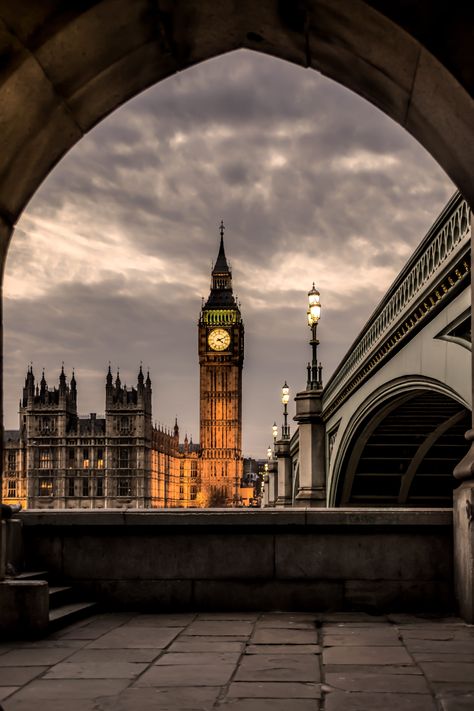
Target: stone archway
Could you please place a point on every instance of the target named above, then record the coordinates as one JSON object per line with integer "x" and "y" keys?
{"x": 65, "y": 67}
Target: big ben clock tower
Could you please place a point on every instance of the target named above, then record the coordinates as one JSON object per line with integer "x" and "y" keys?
{"x": 221, "y": 357}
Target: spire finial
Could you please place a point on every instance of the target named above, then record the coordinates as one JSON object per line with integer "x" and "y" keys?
{"x": 221, "y": 229}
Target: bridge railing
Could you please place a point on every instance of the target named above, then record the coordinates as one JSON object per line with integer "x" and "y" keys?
{"x": 446, "y": 239}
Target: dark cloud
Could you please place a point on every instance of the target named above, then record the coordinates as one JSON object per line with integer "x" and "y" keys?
{"x": 114, "y": 252}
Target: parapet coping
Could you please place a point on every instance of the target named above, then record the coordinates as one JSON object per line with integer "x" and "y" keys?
{"x": 260, "y": 518}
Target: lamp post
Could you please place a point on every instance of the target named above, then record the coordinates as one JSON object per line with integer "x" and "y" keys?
{"x": 285, "y": 398}
{"x": 274, "y": 432}
{"x": 314, "y": 381}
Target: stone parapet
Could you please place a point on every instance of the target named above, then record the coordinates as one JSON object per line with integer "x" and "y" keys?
{"x": 265, "y": 559}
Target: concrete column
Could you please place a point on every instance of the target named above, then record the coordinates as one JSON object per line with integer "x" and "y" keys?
{"x": 272, "y": 482}
{"x": 312, "y": 477}
{"x": 463, "y": 508}
{"x": 282, "y": 451}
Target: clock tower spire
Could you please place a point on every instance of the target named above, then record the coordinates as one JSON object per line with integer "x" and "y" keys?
{"x": 221, "y": 356}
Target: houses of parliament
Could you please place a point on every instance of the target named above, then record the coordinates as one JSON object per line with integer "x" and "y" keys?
{"x": 57, "y": 459}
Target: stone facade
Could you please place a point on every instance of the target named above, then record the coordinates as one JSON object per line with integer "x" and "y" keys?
{"x": 58, "y": 459}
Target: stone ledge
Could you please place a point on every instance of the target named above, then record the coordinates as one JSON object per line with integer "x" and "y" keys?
{"x": 259, "y": 518}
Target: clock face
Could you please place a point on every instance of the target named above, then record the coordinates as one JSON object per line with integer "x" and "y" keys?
{"x": 219, "y": 339}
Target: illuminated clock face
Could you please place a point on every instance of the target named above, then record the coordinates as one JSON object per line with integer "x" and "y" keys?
{"x": 219, "y": 339}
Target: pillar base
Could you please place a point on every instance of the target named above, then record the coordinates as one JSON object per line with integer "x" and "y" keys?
{"x": 24, "y": 608}
{"x": 463, "y": 514}
{"x": 283, "y": 503}
{"x": 465, "y": 469}
{"x": 312, "y": 497}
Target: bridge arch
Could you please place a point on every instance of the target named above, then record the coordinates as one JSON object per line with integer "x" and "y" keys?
{"x": 384, "y": 457}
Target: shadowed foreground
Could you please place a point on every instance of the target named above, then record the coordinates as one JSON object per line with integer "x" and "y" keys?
{"x": 244, "y": 662}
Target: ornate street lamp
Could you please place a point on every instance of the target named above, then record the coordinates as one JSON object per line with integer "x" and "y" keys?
{"x": 285, "y": 398}
{"x": 274, "y": 432}
{"x": 314, "y": 314}
{"x": 269, "y": 452}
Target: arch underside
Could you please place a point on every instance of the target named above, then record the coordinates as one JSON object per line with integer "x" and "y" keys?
{"x": 66, "y": 66}
{"x": 404, "y": 453}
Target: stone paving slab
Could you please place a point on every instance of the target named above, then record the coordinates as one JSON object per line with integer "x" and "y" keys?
{"x": 265, "y": 667}
{"x": 431, "y": 646}
{"x": 162, "y": 620}
{"x": 339, "y": 701}
{"x": 187, "y": 675}
{"x": 372, "y": 638}
{"x": 243, "y": 662}
{"x": 458, "y": 703}
{"x": 34, "y": 657}
{"x": 188, "y": 698}
{"x": 210, "y": 628}
{"x": 128, "y": 637}
{"x": 273, "y": 690}
{"x": 17, "y": 676}
{"x": 7, "y": 691}
{"x": 377, "y": 680}
{"x": 366, "y": 655}
{"x": 283, "y": 649}
{"x": 115, "y": 655}
{"x": 285, "y": 636}
{"x": 64, "y": 690}
{"x": 268, "y": 705}
{"x": 199, "y": 658}
{"x": 206, "y": 644}
{"x": 449, "y": 671}
{"x": 95, "y": 670}
{"x": 369, "y": 669}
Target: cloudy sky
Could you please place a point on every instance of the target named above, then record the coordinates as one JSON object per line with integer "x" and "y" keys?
{"x": 111, "y": 257}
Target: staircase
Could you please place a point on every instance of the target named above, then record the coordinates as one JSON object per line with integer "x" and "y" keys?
{"x": 65, "y": 607}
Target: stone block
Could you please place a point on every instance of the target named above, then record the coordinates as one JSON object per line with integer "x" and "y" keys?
{"x": 389, "y": 595}
{"x": 187, "y": 675}
{"x": 269, "y": 667}
{"x": 146, "y": 595}
{"x": 24, "y": 608}
{"x": 363, "y": 556}
{"x": 155, "y": 556}
{"x": 268, "y": 595}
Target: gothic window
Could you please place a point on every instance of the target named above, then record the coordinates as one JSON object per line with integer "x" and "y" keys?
{"x": 46, "y": 486}
{"x": 11, "y": 487}
{"x": 70, "y": 487}
{"x": 125, "y": 425}
{"x": 124, "y": 458}
{"x": 46, "y": 425}
{"x": 85, "y": 459}
{"x": 193, "y": 470}
{"x": 70, "y": 456}
{"x": 100, "y": 486}
{"x": 193, "y": 493}
{"x": 45, "y": 459}
{"x": 11, "y": 461}
{"x": 124, "y": 487}
{"x": 100, "y": 459}
{"x": 85, "y": 486}
{"x": 181, "y": 470}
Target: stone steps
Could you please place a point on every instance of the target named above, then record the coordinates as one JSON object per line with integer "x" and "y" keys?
{"x": 64, "y": 605}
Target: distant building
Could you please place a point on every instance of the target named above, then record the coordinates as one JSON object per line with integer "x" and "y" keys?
{"x": 58, "y": 459}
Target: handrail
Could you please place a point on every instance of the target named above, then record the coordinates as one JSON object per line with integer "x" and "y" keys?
{"x": 444, "y": 238}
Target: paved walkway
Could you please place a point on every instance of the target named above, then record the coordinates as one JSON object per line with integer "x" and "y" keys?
{"x": 244, "y": 662}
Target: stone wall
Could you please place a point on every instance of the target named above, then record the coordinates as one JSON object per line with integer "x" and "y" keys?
{"x": 299, "y": 559}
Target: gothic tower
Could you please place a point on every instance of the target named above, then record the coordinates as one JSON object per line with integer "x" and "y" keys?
{"x": 221, "y": 356}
